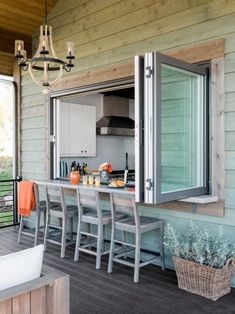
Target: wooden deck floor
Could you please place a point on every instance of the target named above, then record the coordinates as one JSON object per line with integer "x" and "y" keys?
{"x": 96, "y": 291}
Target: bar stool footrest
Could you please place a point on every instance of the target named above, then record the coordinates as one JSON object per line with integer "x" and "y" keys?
{"x": 120, "y": 261}
{"x": 87, "y": 251}
{"x": 89, "y": 234}
{"x": 124, "y": 243}
{"x": 58, "y": 242}
{"x": 94, "y": 243}
{"x": 55, "y": 226}
{"x": 124, "y": 253}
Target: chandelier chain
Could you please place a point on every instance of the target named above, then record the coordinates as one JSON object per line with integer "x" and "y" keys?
{"x": 46, "y": 12}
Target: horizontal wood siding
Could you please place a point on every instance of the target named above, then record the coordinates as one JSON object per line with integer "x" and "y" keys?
{"x": 33, "y": 135}
{"x": 114, "y": 31}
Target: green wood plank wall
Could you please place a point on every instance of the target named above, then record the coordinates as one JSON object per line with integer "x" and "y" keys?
{"x": 113, "y": 31}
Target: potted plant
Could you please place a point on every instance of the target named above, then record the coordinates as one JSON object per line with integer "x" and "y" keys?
{"x": 204, "y": 262}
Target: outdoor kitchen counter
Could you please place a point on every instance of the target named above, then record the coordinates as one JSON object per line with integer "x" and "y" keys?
{"x": 100, "y": 189}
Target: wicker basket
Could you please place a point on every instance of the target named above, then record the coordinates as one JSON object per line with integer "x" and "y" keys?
{"x": 206, "y": 281}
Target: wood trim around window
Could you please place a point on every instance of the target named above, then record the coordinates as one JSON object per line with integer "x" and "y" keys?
{"x": 198, "y": 53}
{"x": 106, "y": 74}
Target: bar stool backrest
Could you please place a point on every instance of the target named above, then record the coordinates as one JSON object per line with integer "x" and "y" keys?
{"x": 124, "y": 203}
{"x": 55, "y": 195}
{"x": 88, "y": 199}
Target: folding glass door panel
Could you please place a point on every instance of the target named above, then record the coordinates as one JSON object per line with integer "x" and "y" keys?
{"x": 175, "y": 129}
{"x": 139, "y": 128}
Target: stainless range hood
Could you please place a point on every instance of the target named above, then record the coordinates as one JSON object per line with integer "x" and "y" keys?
{"x": 115, "y": 118}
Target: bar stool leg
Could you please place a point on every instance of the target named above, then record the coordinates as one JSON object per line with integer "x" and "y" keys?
{"x": 137, "y": 258}
{"x": 45, "y": 220}
{"x": 63, "y": 238}
{"x": 46, "y": 230}
{"x": 20, "y": 229}
{"x": 37, "y": 226}
{"x": 123, "y": 237}
{"x": 89, "y": 230}
{"x": 99, "y": 245}
{"x": 162, "y": 253}
{"x": 71, "y": 229}
{"x": 78, "y": 241}
{"x": 111, "y": 252}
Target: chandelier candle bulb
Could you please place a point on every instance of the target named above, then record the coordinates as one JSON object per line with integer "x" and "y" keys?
{"x": 70, "y": 50}
{"x": 19, "y": 47}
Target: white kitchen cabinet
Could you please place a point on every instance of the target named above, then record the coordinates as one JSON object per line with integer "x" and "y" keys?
{"x": 77, "y": 131}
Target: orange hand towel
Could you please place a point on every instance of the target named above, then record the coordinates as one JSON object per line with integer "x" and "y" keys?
{"x": 26, "y": 198}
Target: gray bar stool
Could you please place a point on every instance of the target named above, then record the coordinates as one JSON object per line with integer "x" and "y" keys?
{"x": 58, "y": 209}
{"x": 136, "y": 225}
{"x": 90, "y": 214}
{"x": 40, "y": 208}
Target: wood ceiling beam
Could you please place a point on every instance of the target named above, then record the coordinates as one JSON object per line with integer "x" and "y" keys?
{"x": 6, "y": 64}
{"x": 14, "y": 26}
{"x": 38, "y": 4}
{"x": 27, "y": 13}
{"x": 7, "y": 41}
{"x": 22, "y": 16}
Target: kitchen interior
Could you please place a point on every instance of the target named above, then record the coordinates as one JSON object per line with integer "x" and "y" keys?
{"x": 95, "y": 129}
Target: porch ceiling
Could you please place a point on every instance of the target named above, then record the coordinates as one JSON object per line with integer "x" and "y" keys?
{"x": 19, "y": 19}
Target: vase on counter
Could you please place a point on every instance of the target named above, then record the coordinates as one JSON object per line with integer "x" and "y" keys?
{"x": 75, "y": 177}
{"x": 105, "y": 176}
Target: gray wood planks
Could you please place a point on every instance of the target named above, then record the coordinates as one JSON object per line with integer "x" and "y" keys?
{"x": 93, "y": 291}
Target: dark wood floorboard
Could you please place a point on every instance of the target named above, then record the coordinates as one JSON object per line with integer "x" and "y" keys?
{"x": 96, "y": 291}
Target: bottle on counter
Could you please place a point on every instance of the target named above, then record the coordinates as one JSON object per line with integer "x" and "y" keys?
{"x": 83, "y": 168}
{"x": 86, "y": 169}
{"x": 73, "y": 166}
{"x": 126, "y": 169}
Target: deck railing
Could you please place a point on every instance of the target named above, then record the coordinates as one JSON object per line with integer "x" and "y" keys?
{"x": 8, "y": 202}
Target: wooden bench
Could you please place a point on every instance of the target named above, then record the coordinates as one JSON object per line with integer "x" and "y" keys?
{"x": 47, "y": 294}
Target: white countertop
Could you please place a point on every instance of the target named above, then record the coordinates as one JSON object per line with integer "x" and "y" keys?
{"x": 68, "y": 185}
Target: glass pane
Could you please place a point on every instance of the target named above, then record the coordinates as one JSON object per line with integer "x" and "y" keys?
{"x": 181, "y": 129}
